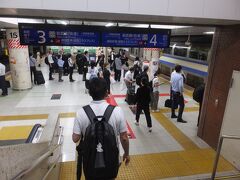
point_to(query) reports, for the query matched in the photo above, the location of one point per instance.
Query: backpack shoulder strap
(88, 110)
(108, 112)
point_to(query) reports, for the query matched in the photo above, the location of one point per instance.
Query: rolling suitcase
(39, 79)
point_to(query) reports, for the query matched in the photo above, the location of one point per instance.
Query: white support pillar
(154, 61)
(19, 61)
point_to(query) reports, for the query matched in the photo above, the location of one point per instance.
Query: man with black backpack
(97, 127)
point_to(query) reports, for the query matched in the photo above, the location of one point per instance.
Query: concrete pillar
(19, 61)
(154, 61)
(147, 54)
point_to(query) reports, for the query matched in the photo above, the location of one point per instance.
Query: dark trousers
(80, 69)
(200, 108)
(60, 73)
(3, 85)
(179, 100)
(117, 75)
(51, 69)
(70, 73)
(146, 112)
(108, 85)
(32, 72)
(84, 73)
(79, 167)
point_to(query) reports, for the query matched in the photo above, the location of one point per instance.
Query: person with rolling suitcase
(39, 79)
(130, 97)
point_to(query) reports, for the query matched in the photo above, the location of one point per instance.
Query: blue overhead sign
(70, 35)
(31, 35)
(135, 40)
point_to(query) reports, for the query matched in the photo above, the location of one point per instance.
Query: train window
(198, 54)
(180, 51)
(167, 50)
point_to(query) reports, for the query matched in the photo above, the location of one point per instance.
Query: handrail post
(217, 158)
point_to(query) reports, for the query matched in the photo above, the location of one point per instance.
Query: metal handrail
(51, 168)
(219, 150)
(33, 133)
(40, 159)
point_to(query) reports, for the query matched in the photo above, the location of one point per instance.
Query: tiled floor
(171, 150)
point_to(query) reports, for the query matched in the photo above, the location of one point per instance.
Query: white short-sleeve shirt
(117, 119)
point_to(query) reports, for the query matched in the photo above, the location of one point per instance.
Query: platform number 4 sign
(154, 40)
(13, 35)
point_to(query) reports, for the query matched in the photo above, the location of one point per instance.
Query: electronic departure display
(72, 35)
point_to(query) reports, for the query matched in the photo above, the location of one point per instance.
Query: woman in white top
(155, 87)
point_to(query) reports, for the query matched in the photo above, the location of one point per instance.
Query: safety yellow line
(67, 115)
(186, 109)
(15, 132)
(23, 117)
(178, 135)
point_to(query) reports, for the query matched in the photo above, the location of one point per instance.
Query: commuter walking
(128, 79)
(51, 64)
(198, 96)
(106, 75)
(177, 93)
(3, 84)
(39, 59)
(94, 123)
(79, 61)
(60, 63)
(85, 60)
(118, 68)
(143, 74)
(155, 89)
(71, 67)
(142, 100)
(100, 59)
(33, 63)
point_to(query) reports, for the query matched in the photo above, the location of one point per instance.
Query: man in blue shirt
(60, 63)
(177, 93)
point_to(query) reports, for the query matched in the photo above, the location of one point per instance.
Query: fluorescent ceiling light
(64, 22)
(20, 20)
(141, 26)
(209, 32)
(109, 24)
(3, 29)
(167, 27)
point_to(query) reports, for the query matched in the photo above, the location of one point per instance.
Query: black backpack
(46, 60)
(138, 79)
(198, 93)
(100, 150)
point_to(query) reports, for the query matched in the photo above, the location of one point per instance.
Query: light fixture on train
(188, 42)
(109, 24)
(209, 32)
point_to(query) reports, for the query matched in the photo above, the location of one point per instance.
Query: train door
(231, 122)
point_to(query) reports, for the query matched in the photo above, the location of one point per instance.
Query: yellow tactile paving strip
(23, 117)
(161, 165)
(15, 132)
(67, 115)
(186, 109)
(191, 161)
(177, 134)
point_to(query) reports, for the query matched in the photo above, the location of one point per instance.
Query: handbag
(168, 104)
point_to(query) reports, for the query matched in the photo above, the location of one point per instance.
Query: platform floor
(172, 150)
